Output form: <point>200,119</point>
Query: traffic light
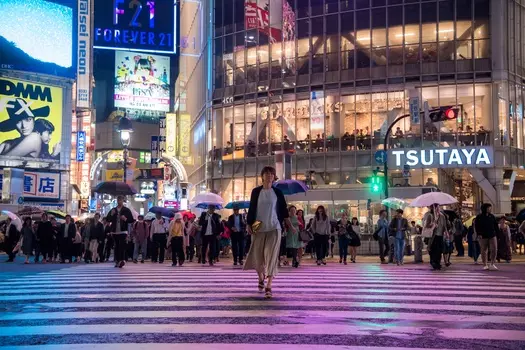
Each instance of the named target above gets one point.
<point>444,114</point>
<point>376,183</point>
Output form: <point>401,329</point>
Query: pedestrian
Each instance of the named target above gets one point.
<point>398,229</point>
<point>189,233</point>
<point>459,232</point>
<point>382,236</point>
<point>448,248</point>
<point>293,243</point>
<point>44,237</point>
<point>237,225</point>
<point>12,236</point>
<point>343,234</point>
<point>77,243</point>
<point>158,232</point>
<point>355,238</point>
<point>211,228</point>
<point>28,238</point>
<point>418,242</point>
<point>487,228</point>
<point>321,229</point>
<point>225,241</point>
<point>109,242</point>
<point>56,240</point>
<point>435,221</point>
<point>176,232</point>
<point>66,237</point>
<point>140,233</point>
<point>474,249</point>
<point>300,219</point>
<point>86,239</point>
<point>267,212</point>
<point>120,218</point>
<point>97,234</point>
<point>520,238</point>
<point>503,235</point>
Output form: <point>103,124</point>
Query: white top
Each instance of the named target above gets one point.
<point>267,211</point>
<point>209,228</point>
<point>159,226</point>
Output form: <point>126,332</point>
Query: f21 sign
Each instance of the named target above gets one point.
<point>141,25</point>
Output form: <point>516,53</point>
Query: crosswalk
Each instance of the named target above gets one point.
<point>199,307</point>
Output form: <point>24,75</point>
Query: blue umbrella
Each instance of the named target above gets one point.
<point>163,211</point>
<point>289,187</point>
<point>521,216</point>
<point>238,205</point>
<point>205,205</point>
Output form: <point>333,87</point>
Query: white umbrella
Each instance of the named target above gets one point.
<point>427,199</point>
<point>207,198</point>
<point>15,220</point>
<point>394,203</point>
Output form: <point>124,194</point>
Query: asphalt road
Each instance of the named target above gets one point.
<point>359,306</point>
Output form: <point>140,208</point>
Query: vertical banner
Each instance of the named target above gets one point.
<point>162,137</point>
<point>81,146</point>
<point>84,54</point>
<point>154,149</point>
<point>184,137</point>
<point>171,134</point>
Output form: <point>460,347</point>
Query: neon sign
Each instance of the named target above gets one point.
<point>450,157</point>
<point>143,25</point>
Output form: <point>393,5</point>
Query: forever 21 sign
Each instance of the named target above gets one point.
<point>142,25</point>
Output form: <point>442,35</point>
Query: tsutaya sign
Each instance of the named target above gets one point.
<point>449,157</point>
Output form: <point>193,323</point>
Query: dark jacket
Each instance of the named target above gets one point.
<point>486,225</point>
<point>392,229</point>
<point>113,217</point>
<point>71,232</point>
<point>13,235</point>
<point>231,222</point>
<point>282,210</point>
<point>45,231</point>
<point>97,232</point>
<point>216,226</point>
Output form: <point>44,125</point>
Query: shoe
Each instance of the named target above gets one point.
<point>153,261</point>
<point>211,263</point>
<point>476,262</point>
<point>235,263</point>
<point>121,264</point>
<point>493,267</point>
<point>353,261</point>
<point>340,261</point>
<point>174,264</point>
<point>268,293</point>
<point>142,261</point>
<point>402,263</point>
<point>135,261</point>
<point>318,263</point>
<point>161,262</point>
<point>323,262</point>
<point>447,264</point>
<point>396,263</point>
<point>486,267</point>
<point>117,265</point>
<point>181,263</point>
<point>241,263</point>
<point>345,262</point>
<point>260,286</point>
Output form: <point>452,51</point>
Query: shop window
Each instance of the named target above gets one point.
<point>429,53</point>
<point>411,54</point>
<point>464,50</point>
<point>481,48</point>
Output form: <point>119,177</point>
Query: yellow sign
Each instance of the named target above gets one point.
<point>115,156</point>
<point>115,175</point>
<point>171,134</point>
<point>30,120</point>
<point>184,136</point>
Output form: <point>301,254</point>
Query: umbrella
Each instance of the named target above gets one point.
<point>427,199</point>
<point>151,216</point>
<point>15,220</point>
<point>163,211</point>
<point>115,188</point>
<point>394,203</point>
<point>202,200</point>
<point>30,211</point>
<point>57,214</point>
<point>238,205</point>
<point>188,214</point>
<point>521,216</point>
<point>289,187</point>
<point>469,221</point>
<point>134,213</point>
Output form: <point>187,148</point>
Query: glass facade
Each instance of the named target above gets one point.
<point>323,79</point>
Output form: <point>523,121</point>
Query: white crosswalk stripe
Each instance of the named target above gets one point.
<point>193,307</point>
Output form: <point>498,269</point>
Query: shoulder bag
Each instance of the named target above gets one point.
<point>306,236</point>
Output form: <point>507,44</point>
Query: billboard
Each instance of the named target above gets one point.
<point>142,81</point>
<point>115,175</point>
<point>184,137</point>
<point>41,185</point>
<point>148,26</point>
<point>171,134</point>
<point>84,54</point>
<point>30,120</point>
<point>39,36</point>
<point>267,17</point>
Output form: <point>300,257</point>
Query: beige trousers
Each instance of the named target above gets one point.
<point>263,256</point>
<point>485,244</point>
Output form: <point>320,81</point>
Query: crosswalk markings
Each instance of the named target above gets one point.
<point>323,305</point>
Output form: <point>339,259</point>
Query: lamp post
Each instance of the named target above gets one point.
<point>125,128</point>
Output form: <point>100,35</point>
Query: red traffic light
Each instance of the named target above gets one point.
<point>451,113</point>
<point>443,114</point>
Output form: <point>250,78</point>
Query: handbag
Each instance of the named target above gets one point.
<point>427,232</point>
<point>306,236</point>
<point>256,226</point>
<point>375,235</point>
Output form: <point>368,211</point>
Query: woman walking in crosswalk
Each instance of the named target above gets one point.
<point>267,212</point>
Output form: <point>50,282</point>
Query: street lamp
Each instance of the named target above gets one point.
<point>125,128</point>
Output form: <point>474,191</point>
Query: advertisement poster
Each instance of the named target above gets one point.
<point>171,134</point>
<point>30,120</point>
<point>270,17</point>
<point>142,81</point>
<point>38,36</point>
<point>115,175</point>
